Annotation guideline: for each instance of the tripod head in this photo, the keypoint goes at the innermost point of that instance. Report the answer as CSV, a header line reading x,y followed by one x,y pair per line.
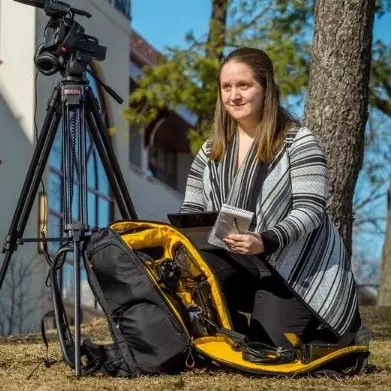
x,y
67,48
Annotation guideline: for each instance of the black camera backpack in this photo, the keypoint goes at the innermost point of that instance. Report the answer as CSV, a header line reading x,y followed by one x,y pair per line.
x,y
164,309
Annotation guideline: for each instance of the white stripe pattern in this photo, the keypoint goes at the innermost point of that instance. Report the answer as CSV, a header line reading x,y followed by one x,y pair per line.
x,y
289,202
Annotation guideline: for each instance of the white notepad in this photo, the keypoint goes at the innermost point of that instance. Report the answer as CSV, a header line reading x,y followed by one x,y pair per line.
x,y
229,220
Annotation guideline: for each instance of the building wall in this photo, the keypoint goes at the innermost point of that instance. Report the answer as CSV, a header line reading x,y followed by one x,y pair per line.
x,y
152,199
17,33
22,285
18,41
22,294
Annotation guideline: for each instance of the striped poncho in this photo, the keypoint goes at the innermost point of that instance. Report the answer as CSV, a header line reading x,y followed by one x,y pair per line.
x,y
288,197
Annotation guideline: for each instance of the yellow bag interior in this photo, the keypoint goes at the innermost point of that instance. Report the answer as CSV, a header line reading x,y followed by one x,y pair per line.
x,y
219,349
141,235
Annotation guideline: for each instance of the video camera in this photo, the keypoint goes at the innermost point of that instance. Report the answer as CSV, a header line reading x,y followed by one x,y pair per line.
x,y
66,48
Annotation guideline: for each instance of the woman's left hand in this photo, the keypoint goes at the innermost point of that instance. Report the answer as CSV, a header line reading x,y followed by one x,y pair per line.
x,y
249,243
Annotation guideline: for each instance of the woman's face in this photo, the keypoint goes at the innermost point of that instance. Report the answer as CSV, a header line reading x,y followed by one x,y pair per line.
x,y
241,94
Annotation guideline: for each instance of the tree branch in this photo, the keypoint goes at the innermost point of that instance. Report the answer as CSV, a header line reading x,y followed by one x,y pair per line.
x,y
371,197
381,104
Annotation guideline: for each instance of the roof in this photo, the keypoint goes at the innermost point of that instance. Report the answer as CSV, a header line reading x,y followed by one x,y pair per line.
x,y
141,51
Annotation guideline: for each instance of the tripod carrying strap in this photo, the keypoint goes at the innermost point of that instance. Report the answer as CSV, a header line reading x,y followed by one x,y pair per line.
x,y
111,360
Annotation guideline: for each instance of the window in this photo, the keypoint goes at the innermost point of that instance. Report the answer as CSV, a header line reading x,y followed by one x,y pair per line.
x,y
135,145
100,203
163,165
122,6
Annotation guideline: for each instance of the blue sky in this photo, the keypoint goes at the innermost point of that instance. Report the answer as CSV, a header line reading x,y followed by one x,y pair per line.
x,y
165,22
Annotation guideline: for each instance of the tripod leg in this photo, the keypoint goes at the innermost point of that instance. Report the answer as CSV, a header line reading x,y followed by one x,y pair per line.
x,y
76,276
75,220
30,187
113,171
83,217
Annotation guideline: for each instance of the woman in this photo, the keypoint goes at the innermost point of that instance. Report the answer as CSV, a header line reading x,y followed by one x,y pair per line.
x,y
292,272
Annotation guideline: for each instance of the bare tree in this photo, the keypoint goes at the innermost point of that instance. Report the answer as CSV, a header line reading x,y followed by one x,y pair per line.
x,y
366,269
337,103
18,300
369,200
384,296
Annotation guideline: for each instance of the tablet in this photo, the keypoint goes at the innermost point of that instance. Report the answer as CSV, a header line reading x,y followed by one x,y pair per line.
x,y
192,219
196,226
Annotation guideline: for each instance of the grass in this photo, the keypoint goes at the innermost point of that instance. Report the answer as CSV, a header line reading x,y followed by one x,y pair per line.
x,y
20,356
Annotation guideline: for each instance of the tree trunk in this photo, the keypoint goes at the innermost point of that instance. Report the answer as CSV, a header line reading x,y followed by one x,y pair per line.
x,y
214,51
337,103
217,29
384,296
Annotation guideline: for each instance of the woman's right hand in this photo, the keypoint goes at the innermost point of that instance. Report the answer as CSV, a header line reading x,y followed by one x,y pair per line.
x,y
249,243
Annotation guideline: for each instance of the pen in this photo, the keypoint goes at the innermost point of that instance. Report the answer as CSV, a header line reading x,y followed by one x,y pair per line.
x,y
236,225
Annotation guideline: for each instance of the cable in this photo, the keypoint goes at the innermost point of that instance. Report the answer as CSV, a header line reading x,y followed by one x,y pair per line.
x,y
258,352
73,160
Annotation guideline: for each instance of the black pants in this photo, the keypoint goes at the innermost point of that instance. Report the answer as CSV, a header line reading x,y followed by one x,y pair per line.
x,y
250,287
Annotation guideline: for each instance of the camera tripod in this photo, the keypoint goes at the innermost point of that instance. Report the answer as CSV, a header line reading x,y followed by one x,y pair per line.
x,y
71,98
74,108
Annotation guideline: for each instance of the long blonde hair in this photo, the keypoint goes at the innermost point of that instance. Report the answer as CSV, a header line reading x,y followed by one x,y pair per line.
x,y
274,121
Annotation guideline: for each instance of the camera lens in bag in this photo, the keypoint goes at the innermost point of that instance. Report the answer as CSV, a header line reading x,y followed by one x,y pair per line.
x,y
170,274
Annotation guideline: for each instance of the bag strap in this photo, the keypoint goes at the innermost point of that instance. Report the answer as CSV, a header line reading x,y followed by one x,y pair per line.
x,y
115,331
108,357
63,331
238,337
43,333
